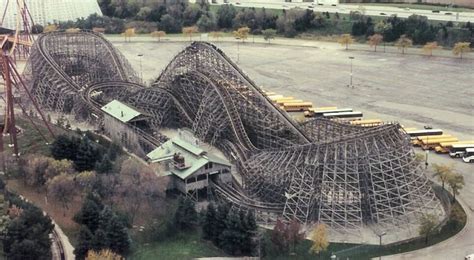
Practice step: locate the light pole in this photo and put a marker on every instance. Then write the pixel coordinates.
(238, 51)
(351, 58)
(380, 241)
(427, 152)
(141, 68)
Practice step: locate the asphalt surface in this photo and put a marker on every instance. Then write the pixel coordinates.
(375, 10)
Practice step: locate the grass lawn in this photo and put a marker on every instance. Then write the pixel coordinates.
(30, 141)
(183, 246)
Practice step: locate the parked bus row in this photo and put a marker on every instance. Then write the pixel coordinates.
(437, 140)
(427, 139)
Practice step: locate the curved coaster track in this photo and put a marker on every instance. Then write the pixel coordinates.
(342, 175)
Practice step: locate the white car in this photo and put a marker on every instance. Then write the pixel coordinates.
(469, 257)
(468, 157)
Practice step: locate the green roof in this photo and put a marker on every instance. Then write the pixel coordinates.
(120, 111)
(194, 157)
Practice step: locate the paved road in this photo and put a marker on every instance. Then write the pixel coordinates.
(367, 9)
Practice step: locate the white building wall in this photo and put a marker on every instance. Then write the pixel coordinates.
(45, 12)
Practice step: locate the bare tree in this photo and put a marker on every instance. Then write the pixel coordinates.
(139, 184)
(442, 172)
(375, 40)
(189, 31)
(403, 43)
(346, 40)
(129, 33)
(427, 227)
(430, 47)
(158, 34)
(242, 33)
(456, 182)
(62, 188)
(461, 47)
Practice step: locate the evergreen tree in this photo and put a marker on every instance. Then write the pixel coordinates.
(105, 216)
(208, 227)
(27, 236)
(220, 224)
(89, 214)
(105, 165)
(233, 235)
(99, 241)
(118, 239)
(185, 215)
(113, 151)
(84, 243)
(250, 231)
(65, 147)
(87, 156)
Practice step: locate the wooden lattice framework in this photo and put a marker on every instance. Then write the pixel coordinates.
(345, 176)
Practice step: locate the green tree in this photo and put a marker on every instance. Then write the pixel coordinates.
(89, 213)
(233, 236)
(269, 34)
(169, 24)
(27, 236)
(65, 147)
(99, 240)
(207, 22)
(221, 216)
(105, 165)
(428, 225)
(209, 223)
(250, 230)
(225, 16)
(87, 156)
(456, 182)
(191, 15)
(118, 239)
(185, 217)
(84, 243)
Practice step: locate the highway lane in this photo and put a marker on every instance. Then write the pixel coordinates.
(375, 10)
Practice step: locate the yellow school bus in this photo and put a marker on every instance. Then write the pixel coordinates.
(283, 101)
(311, 110)
(295, 107)
(432, 143)
(447, 146)
(274, 97)
(417, 141)
(367, 122)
